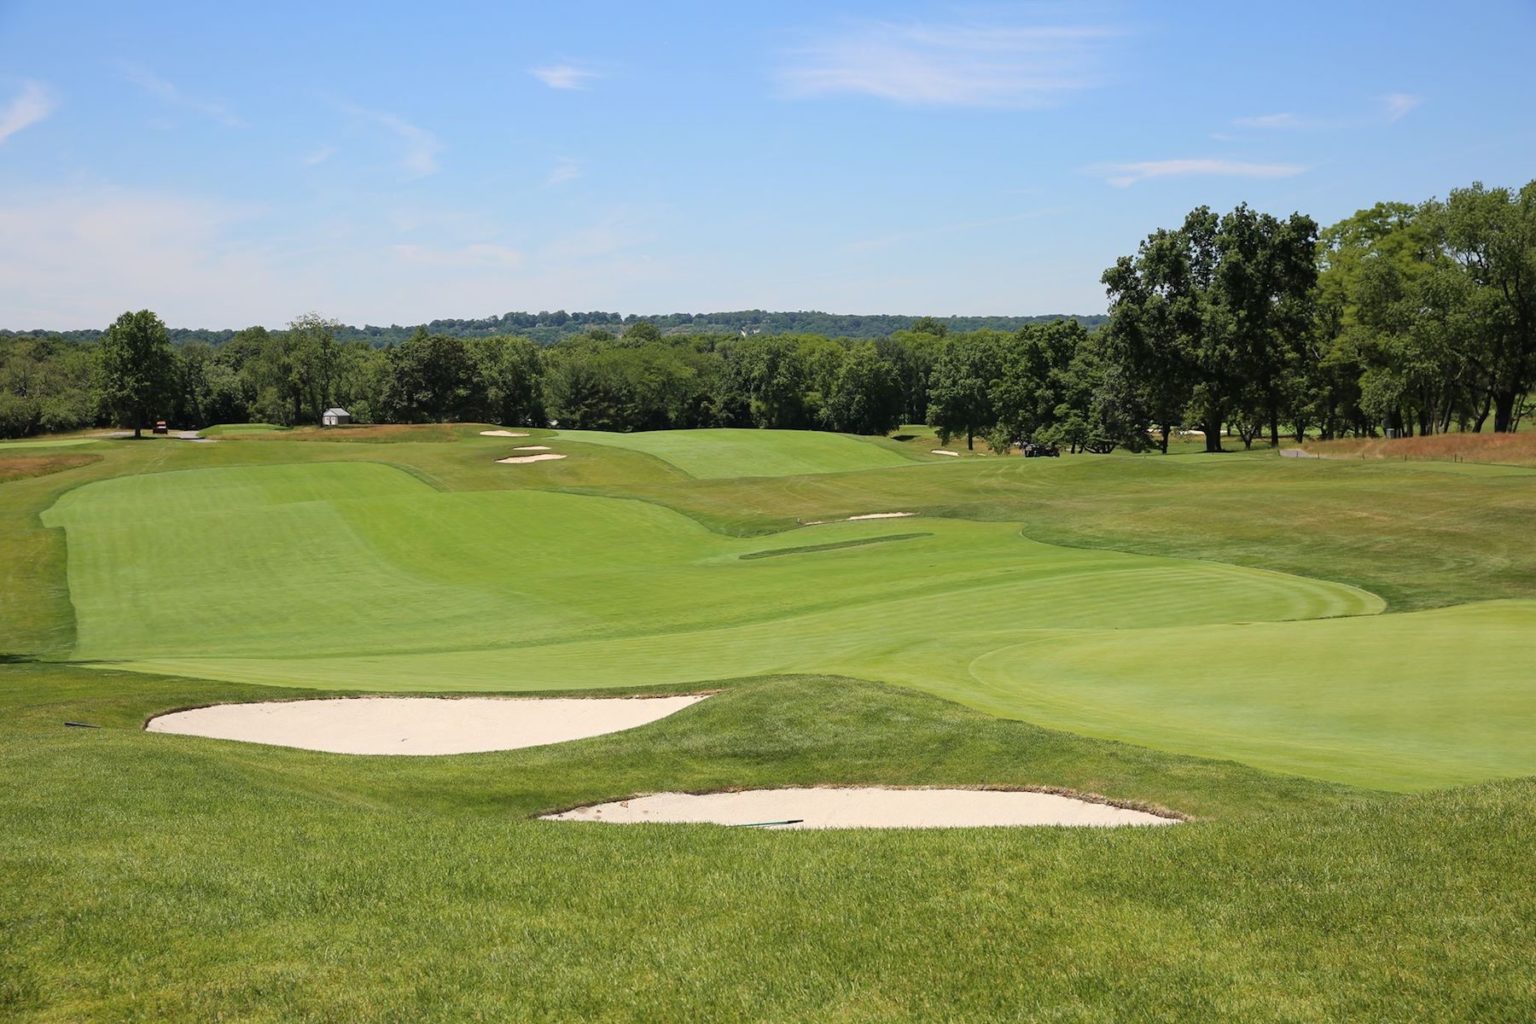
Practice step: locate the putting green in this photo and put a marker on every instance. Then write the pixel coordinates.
(1446, 695)
(299, 561)
(719, 454)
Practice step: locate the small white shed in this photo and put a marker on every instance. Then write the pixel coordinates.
(335, 417)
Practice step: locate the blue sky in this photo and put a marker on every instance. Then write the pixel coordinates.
(234, 164)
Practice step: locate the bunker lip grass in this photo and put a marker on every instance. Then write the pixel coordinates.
(831, 807)
(419, 725)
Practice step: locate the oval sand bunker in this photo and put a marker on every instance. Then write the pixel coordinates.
(518, 460)
(865, 808)
(420, 725)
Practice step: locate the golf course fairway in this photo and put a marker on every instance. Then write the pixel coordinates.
(1294, 657)
(391, 585)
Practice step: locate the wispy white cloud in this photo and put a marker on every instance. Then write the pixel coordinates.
(418, 157)
(1392, 106)
(1269, 121)
(167, 92)
(966, 65)
(1399, 104)
(318, 156)
(33, 104)
(565, 170)
(1125, 175)
(564, 76)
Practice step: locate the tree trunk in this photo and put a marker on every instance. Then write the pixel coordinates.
(1504, 412)
(1212, 428)
(1167, 428)
(1482, 417)
(970, 440)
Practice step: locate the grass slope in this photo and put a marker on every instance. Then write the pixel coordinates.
(731, 453)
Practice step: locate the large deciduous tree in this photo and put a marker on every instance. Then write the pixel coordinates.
(1212, 316)
(430, 379)
(961, 388)
(510, 381)
(865, 396)
(1490, 235)
(137, 369)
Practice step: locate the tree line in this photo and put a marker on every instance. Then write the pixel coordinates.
(1401, 318)
(547, 327)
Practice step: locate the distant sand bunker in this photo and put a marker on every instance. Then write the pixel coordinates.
(501, 433)
(882, 515)
(419, 725)
(943, 451)
(519, 459)
(865, 808)
(532, 448)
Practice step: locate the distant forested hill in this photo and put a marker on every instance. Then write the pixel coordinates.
(546, 327)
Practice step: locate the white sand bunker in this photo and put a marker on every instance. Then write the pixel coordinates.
(945, 451)
(420, 725)
(532, 448)
(501, 433)
(882, 515)
(865, 808)
(520, 459)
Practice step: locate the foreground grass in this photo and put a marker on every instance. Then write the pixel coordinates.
(160, 877)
